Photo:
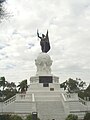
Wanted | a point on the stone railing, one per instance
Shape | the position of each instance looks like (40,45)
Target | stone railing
(25,97)
(12,99)
(82,101)
(20,96)
(63,96)
(70,96)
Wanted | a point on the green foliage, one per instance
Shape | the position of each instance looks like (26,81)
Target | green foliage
(87,116)
(70,84)
(8,89)
(77,86)
(10,117)
(73,85)
(11,85)
(23,86)
(63,85)
(85,93)
(29,117)
(88,88)
(2,82)
(15,117)
(4,117)
(2,11)
(72,117)
(9,93)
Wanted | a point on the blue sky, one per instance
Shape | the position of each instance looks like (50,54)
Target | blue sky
(68,23)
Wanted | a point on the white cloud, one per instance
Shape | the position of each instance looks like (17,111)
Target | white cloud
(68,24)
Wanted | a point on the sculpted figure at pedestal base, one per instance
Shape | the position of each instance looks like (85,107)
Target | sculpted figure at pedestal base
(43,63)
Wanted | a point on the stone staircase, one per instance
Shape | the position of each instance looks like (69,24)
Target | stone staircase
(75,105)
(9,105)
(12,99)
(47,96)
(49,110)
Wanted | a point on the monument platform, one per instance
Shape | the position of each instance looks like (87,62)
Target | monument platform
(45,96)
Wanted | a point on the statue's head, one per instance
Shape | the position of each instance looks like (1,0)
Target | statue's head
(43,35)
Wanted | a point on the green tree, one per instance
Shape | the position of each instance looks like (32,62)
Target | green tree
(8,89)
(84,93)
(10,117)
(29,117)
(88,88)
(72,117)
(3,82)
(70,84)
(15,117)
(73,85)
(4,117)
(11,85)
(23,86)
(9,93)
(2,12)
(0,96)
(87,116)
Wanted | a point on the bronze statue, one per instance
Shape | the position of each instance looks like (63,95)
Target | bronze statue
(45,44)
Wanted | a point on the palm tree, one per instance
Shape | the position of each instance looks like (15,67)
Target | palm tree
(10,90)
(3,84)
(23,86)
(11,86)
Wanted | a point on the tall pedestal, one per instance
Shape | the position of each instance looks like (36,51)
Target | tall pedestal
(45,88)
(44,79)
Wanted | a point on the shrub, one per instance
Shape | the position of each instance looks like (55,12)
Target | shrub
(72,117)
(87,116)
(4,117)
(29,117)
(15,117)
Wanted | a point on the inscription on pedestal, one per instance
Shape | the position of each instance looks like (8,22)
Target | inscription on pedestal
(45,79)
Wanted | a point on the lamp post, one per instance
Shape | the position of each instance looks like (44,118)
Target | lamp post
(34,115)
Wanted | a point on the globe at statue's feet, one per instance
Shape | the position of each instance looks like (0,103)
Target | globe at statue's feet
(43,64)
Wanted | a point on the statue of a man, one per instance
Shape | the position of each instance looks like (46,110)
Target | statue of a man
(45,44)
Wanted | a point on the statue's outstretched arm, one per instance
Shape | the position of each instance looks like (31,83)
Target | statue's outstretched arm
(47,35)
(38,34)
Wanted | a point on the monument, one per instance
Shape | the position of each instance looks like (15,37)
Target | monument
(45,86)
(44,95)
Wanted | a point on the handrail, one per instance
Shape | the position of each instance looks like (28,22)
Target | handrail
(10,100)
(82,101)
(63,95)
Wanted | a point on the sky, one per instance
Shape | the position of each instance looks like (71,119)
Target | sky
(68,23)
